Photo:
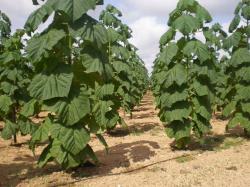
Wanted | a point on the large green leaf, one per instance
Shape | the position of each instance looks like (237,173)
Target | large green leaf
(167,37)
(89,30)
(169,99)
(186,24)
(232,41)
(178,112)
(120,66)
(179,129)
(197,48)
(168,53)
(46,86)
(73,139)
(240,56)
(9,130)
(246,12)
(39,47)
(43,132)
(243,74)
(29,108)
(245,107)
(202,14)
(74,8)
(178,74)
(72,109)
(239,119)
(39,16)
(235,23)
(5,103)
(105,90)
(186,5)
(229,109)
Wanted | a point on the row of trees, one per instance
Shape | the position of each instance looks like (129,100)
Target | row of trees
(190,79)
(79,70)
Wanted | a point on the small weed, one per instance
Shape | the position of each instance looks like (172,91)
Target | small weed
(156,131)
(230,142)
(185,158)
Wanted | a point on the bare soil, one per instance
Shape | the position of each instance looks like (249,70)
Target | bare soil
(140,156)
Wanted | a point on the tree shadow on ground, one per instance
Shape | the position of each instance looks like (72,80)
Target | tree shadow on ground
(13,174)
(144,115)
(216,142)
(135,129)
(120,156)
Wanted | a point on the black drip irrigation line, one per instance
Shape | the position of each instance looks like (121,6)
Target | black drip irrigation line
(125,172)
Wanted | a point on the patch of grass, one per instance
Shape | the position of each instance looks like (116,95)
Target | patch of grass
(136,132)
(185,158)
(156,131)
(229,143)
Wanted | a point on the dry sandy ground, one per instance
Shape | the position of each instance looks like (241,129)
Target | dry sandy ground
(142,157)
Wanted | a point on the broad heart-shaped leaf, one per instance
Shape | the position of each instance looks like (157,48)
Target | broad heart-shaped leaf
(243,74)
(229,109)
(39,47)
(235,23)
(242,92)
(43,132)
(179,129)
(186,24)
(29,108)
(178,112)
(105,90)
(9,130)
(201,90)
(9,57)
(89,30)
(55,151)
(73,139)
(5,26)
(246,12)
(168,53)
(232,41)
(240,56)
(72,109)
(5,103)
(201,125)
(186,4)
(241,120)
(92,61)
(167,37)
(202,107)
(197,48)
(202,14)
(46,86)
(38,16)
(104,115)
(75,8)
(245,107)
(27,127)
(168,100)
(178,74)
(120,66)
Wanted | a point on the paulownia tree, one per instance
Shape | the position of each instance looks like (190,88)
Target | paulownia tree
(183,74)
(15,75)
(238,89)
(130,72)
(72,73)
(215,38)
(5,29)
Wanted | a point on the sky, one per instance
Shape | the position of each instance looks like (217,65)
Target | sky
(147,18)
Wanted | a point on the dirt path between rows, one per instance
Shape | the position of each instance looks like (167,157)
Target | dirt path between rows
(142,157)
